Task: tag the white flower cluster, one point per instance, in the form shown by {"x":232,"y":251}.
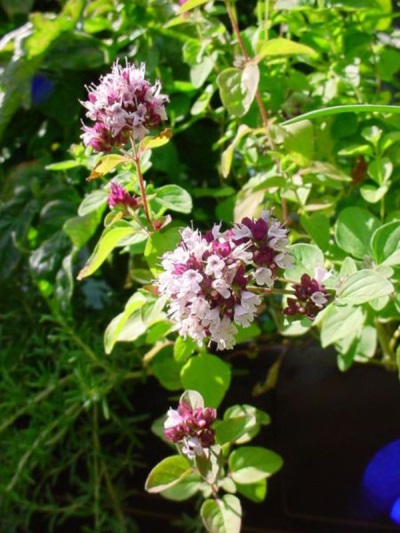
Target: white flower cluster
{"x":209,"y":278}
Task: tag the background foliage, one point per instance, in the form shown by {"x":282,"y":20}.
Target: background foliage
{"x":69,"y":402}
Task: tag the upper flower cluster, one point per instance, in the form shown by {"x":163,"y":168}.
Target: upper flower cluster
{"x":311,"y":295}
{"x":124,"y":104}
{"x":209,"y":278}
{"x":190,"y":427}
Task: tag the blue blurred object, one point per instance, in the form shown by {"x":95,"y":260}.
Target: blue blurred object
{"x":41,"y":88}
{"x":395,"y":512}
{"x":381,"y":481}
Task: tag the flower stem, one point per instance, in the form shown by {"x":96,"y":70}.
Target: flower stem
{"x":247,"y":59}
{"x":136,"y":160}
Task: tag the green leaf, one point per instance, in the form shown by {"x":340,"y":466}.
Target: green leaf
{"x":192,"y":398}
{"x":354,"y":229}
{"x":157,"y":244}
{"x":237,"y":89}
{"x":105,"y":165}
{"x":63,"y":165}
{"x":92,"y":202}
{"x":306,"y":258}
{"x":167,"y":370}
{"x":318,"y":227}
{"x":155,"y":141}
{"x":230,"y":430}
{"x":255,"y":492}
{"x":208,"y":375}
{"x":361,"y":349}
{"x":223,"y":515}
{"x":373,"y":194}
{"x":250,"y":464}
{"x":80,"y":229}
{"x":363,"y":286}
{"x":199,"y":72}
{"x":239,"y":411}
{"x":202,"y":102}
{"x":385,"y":244}
{"x":299,"y":141}
{"x":183,"y":349}
{"x":340,"y":322}
{"x":191,"y":4}
{"x":174,"y":198}
{"x":115,"y":327}
{"x":246,"y":334}
{"x":227,"y":155}
{"x":168,"y":473}
{"x":111,"y":237}
{"x":283,"y":47}
{"x":380,"y":170}
{"x":334,"y":110}
{"x":184,"y":489}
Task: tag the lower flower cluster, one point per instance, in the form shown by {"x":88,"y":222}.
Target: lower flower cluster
{"x":191,"y":428}
{"x":311,"y":295}
{"x":209,"y":279}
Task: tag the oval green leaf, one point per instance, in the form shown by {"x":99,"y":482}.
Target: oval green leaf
{"x":250,"y":464}
{"x":208,"y":375}
{"x":168,"y":473}
{"x":223,"y":515}
{"x":363,"y":286}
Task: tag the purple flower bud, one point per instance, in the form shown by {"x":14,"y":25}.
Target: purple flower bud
{"x":191,"y":428}
{"x":119,"y":197}
{"x":311,"y":297}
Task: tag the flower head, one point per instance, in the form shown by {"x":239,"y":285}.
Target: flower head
{"x":311,"y":295}
{"x":208,"y":278}
{"x":123,"y":105}
{"x":191,"y":428}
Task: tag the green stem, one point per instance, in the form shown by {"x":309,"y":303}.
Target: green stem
{"x":96,"y":476}
{"x":136,"y":160}
{"x":247,"y":59}
{"x":389,"y":357}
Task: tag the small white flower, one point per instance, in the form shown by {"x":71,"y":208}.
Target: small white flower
{"x":321,"y":274}
{"x":214,"y":266}
{"x":192,"y":447}
{"x":319,"y":299}
{"x":173,"y":419}
{"x":263,"y":276}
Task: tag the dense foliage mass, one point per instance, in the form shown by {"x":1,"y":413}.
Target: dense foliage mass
{"x":237,"y":185}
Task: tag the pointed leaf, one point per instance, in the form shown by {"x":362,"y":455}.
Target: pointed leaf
{"x":110,"y":238}
{"x":150,"y":142}
{"x":283,"y":47}
{"x":105,"y":165}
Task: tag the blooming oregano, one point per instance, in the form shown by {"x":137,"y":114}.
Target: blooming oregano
{"x":310,"y":295}
{"x":211,"y":280}
{"x":191,"y":428}
{"x":123,"y":106}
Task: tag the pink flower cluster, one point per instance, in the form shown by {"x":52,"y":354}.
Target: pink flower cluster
{"x":311,"y":295}
{"x":120,"y":197}
{"x":191,"y":428}
{"x":123,"y":105}
{"x":209,"y":278}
